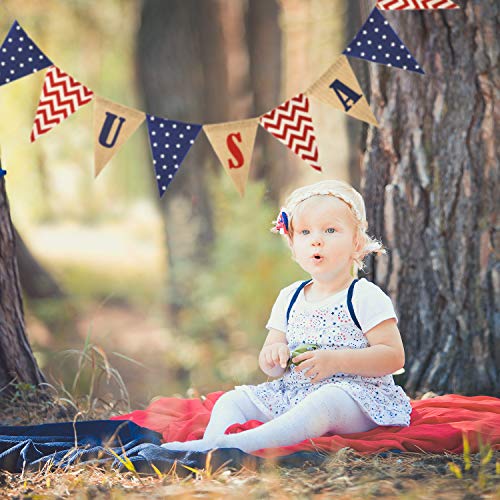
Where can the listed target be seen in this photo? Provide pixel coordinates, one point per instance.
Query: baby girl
(343, 384)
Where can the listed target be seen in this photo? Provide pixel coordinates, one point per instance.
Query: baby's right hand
(276, 354)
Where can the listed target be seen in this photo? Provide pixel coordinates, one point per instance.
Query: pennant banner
(61, 96)
(170, 142)
(114, 124)
(19, 56)
(339, 88)
(292, 125)
(233, 143)
(416, 4)
(377, 42)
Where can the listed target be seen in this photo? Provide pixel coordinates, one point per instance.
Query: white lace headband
(282, 222)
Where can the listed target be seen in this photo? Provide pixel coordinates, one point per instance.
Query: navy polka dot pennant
(170, 142)
(19, 56)
(377, 42)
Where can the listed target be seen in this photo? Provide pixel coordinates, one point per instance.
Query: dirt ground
(344, 474)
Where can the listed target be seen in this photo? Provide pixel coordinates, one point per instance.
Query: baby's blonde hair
(345, 192)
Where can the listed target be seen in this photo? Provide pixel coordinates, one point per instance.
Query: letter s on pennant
(235, 150)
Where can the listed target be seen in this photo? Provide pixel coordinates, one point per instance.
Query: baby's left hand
(318, 364)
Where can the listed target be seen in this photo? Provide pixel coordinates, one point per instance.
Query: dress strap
(349, 303)
(294, 298)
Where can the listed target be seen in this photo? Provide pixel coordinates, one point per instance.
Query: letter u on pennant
(106, 128)
(113, 125)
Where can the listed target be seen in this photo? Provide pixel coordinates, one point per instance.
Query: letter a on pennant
(233, 144)
(339, 88)
(114, 124)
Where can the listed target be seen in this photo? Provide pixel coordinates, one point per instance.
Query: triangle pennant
(19, 56)
(339, 88)
(61, 96)
(233, 143)
(377, 42)
(292, 125)
(416, 4)
(170, 142)
(114, 124)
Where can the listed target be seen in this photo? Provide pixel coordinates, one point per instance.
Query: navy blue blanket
(65, 444)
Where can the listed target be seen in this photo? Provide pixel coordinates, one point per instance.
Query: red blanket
(436, 426)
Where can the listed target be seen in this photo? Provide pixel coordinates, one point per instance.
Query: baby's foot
(195, 445)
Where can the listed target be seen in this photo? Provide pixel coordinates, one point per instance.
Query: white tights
(327, 409)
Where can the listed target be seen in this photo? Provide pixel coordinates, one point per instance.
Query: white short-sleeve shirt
(370, 303)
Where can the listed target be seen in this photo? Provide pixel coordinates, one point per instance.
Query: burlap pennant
(233, 143)
(114, 124)
(339, 87)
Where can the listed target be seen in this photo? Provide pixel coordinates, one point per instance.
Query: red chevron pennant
(292, 125)
(61, 96)
(416, 4)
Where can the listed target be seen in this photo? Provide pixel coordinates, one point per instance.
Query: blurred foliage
(233, 300)
(220, 336)
(103, 238)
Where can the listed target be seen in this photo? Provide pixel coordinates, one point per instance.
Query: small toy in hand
(2, 172)
(303, 348)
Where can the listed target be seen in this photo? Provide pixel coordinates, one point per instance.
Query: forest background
(175, 298)
(103, 240)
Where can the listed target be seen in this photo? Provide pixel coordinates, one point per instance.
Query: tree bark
(429, 179)
(17, 363)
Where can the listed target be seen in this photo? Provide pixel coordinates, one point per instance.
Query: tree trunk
(356, 14)
(429, 178)
(36, 281)
(264, 40)
(179, 45)
(17, 363)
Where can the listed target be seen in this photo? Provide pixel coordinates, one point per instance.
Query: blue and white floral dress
(331, 325)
